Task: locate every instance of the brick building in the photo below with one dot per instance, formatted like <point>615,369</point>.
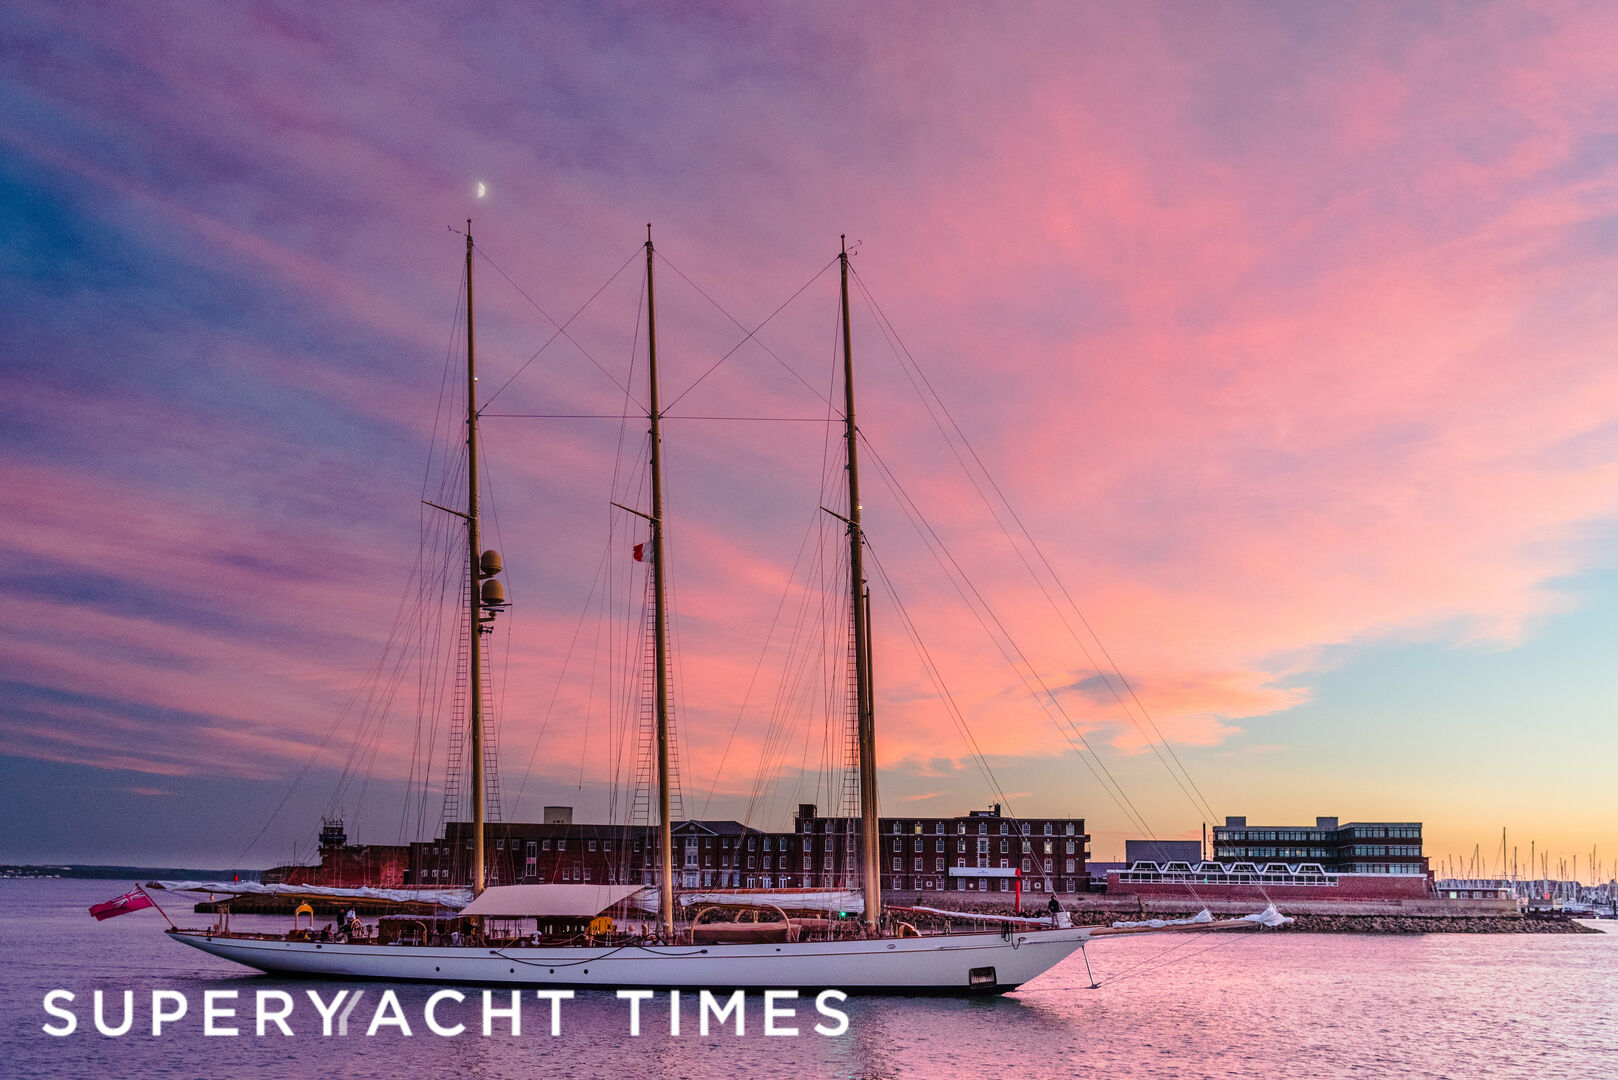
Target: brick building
<point>981,851</point>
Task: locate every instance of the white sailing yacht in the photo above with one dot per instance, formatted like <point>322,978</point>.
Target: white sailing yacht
<point>767,950</point>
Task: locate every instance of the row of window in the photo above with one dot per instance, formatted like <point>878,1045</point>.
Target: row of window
<point>1223,834</point>
<point>1025,828</point>
<point>1387,849</point>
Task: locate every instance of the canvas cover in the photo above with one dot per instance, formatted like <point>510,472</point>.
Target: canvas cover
<point>548,901</point>
<point>446,898</point>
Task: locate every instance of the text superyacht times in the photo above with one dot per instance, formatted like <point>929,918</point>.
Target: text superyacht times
<point>447,1014</point>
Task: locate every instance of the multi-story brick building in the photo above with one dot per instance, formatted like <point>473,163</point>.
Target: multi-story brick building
<point>1382,847</point>
<point>981,851</point>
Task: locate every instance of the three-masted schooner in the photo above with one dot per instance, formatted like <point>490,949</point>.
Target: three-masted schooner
<point>881,954</point>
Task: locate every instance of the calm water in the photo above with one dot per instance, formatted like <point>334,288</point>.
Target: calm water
<point>1252,1006</point>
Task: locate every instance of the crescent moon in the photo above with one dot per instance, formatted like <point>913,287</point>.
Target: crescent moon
<point>481,189</point>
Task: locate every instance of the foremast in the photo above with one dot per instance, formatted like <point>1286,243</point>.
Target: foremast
<point>665,833</point>
<point>474,674</point>
<point>871,862</point>
<point>485,596</point>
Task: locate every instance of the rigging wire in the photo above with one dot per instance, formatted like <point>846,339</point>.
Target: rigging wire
<point>749,334</point>
<point>561,327</point>
<point>902,353</point>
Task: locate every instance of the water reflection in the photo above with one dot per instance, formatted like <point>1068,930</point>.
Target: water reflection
<point>1273,1005</point>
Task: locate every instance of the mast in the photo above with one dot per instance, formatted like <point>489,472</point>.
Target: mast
<point>665,838</point>
<point>861,596</point>
<point>474,673</point>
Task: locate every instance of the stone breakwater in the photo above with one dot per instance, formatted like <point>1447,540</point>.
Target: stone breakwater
<point>1384,923</point>
<point>1433,924</point>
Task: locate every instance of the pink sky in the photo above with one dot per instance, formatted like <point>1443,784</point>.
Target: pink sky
<point>1288,333</point>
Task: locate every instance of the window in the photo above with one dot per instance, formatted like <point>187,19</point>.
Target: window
<point>766,843</point>
<point>500,845</point>
<point>983,828</point>
<point>1048,831</point>
<point>1025,828</point>
<point>938,865</point>
<point>1070,870</point>
<point>1047,847</point>
<point>1002,828</point>
<point>960,829</point>
<point>751,843</point>
<point>1005,864</point>
<point>561,845</point>
<point>918,862</point>
<point>751,862</point>
<point>546,845</point>
<point>898,864</point>
<point>1005,846</point>
<point>606,845</point>
<point>1070,833</point>
<point>939,828</point>
<point>592,845</point>
<point>898,844</point>
<point>1070,847</point>
<point>586,873</point>
<point>1025,866</point>
<point>938,845</point>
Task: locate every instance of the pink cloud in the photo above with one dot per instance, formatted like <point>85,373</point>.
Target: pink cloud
<point>1278,347</point>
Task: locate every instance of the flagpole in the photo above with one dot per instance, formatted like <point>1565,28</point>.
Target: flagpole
<point>142,890</point>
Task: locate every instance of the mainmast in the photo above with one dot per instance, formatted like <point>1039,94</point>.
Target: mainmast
<point>665,838</point>
<point>861,597</point>
<point>474,672</point>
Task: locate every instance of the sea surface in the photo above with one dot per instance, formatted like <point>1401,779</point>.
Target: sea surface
<point>1263,1005</point>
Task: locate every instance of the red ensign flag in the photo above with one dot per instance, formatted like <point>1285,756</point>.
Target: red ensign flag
<point>640,552</point>
<point>130,901</point>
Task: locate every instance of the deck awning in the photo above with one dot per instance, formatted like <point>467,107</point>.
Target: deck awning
<point>444,898</point>
<point>548,901</point>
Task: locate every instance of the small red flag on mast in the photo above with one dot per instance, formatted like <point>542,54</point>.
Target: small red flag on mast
<point>640,552</point>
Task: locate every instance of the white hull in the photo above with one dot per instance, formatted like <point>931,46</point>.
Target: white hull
<point>946,964</point>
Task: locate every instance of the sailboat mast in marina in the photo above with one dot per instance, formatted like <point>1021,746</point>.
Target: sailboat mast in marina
<point>871,866</point>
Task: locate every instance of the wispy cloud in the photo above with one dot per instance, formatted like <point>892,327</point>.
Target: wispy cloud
<point>1286,334</point>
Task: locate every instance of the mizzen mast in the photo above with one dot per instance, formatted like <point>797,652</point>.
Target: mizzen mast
<point>861,598</point>
<point>665,837</point>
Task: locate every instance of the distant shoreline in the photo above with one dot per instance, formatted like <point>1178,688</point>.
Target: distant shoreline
<point>21,872</point>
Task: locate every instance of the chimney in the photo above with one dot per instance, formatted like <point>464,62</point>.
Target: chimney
<point>558,815</point>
